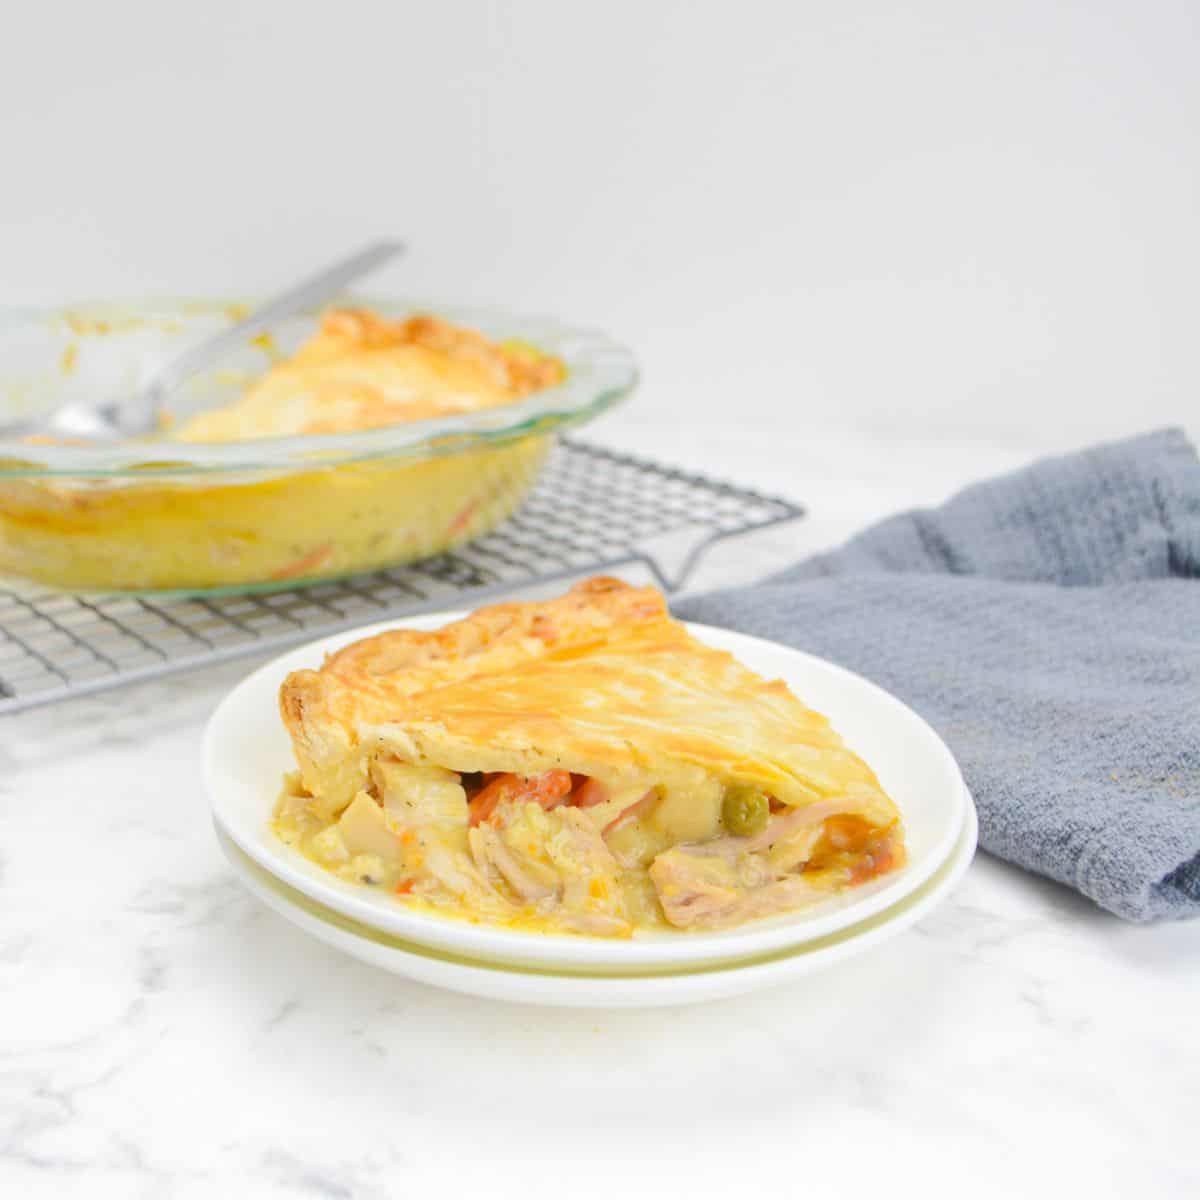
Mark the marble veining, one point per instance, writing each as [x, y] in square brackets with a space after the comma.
[163, 1034]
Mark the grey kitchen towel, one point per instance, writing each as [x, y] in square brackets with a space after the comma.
[1047, 624]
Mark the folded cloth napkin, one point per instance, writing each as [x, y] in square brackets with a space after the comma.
[1047, 624]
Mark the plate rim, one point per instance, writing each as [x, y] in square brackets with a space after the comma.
[511, 946]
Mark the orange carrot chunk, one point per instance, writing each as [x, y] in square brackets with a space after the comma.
[549, 790]
[589, 793]
[311, 561]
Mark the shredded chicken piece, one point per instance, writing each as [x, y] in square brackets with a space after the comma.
[729, 880]
[490, 852]
[590, 873]
[556, 860]
[796, 820]
[714, 891]
[454, 871]
[694, 887]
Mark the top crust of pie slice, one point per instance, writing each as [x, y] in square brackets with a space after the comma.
[601, 681]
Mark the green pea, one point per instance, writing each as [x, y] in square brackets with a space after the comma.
[745, 810]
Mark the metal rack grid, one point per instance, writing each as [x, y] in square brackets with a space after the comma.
[593, 510]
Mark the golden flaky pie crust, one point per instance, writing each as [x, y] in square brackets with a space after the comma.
[601, 681]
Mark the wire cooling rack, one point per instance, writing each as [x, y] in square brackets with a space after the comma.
[593, 510]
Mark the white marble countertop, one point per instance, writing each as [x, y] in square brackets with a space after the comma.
[162, 1034]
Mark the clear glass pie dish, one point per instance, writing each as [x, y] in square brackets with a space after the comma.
[157, 513]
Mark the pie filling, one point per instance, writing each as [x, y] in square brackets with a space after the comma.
[573, 853]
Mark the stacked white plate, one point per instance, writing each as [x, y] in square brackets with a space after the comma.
[247, 751]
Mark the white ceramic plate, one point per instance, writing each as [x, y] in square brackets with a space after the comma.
[611, 990]
[247, 751]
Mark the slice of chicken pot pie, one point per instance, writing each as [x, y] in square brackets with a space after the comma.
[581, 764]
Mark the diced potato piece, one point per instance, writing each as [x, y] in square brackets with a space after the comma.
[420, 796]
[619, 799]
[366, 868]
[692, 813]
[365, 831]
[329, 847]
[638, 843]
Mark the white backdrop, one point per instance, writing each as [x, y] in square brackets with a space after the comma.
[979, 221]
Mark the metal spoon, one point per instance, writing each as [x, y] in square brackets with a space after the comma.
[139, 414]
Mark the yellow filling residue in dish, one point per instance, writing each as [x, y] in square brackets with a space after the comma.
[296, 526]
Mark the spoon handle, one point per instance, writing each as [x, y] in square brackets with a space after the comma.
[314, 290]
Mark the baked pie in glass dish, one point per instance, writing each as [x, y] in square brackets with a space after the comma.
[345, 441]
